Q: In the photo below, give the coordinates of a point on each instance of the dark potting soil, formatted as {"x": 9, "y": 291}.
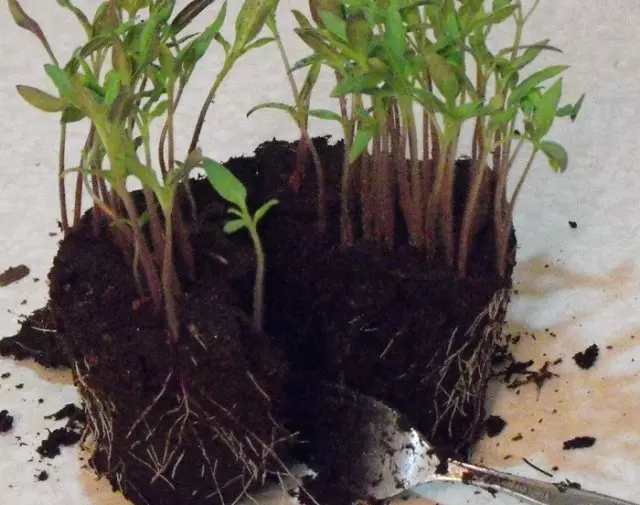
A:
{"x": 587, "y": 358}
{"x": 36, "y": 340}
{"x": 60, "y": 437}
{"x": 205, "y": 420}
{"x": 6, "y": 421}
{"x": 494, "y": 425}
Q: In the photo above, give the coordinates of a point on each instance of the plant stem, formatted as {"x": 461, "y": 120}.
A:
{"x": 62, "y": 194}
{"x": 168, "y": 276}
{"x": 505, "y": 232}
{"x": 228, "y": 64}
{"x": 258, "y": 284}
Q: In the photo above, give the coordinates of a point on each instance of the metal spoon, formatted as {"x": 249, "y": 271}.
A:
{"x": 376, "y": 454}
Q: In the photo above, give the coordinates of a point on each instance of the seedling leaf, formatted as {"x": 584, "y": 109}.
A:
{"x": 40, "y": 99}
{"x": 225, "y": 183}
{"x": 360, "y": 143}
{"x": 289, "y": 109}
{"x": 233, "y": 226}
{"x": 187, "y": 15}
{"x": 533, "y": 81}
{"x": 326, "y": 114}
{"x": 260, "y": 213}
{"x": 556, "y": 154}
{"x": 545, "y": 109}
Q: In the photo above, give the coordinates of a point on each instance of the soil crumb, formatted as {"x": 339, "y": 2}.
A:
{"x": 50, "y": 446}
{"x": 494, "y": 425}
{"x": 578, "y": 443}
{"x": 42, "y": 476}
{"x": 573, "y": 224}
{"x": 587, "y": 358}
{"x": 36, "y": 340}
{"x": 6, "y": 421}
{"x": 13, "y": 274}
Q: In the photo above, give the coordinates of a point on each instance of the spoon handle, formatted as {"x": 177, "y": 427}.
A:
{"x": 535, "y": 491}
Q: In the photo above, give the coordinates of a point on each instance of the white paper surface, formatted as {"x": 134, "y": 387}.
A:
{"x": 582, "y": 284}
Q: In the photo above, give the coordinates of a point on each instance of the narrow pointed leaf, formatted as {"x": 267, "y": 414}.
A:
{"x": 546, "y": 108}
{"x": 533, "y": 81}
{"x": 360, "y": 143}
{"x": 233, "y": 226}
{"x": 261, "y": 212}
{"x": 71, "y": 115}
{"x": 250, "y": 21}
{"x": 326, "y": 114}
{"x": 40, "y": 99}
{"x": 289, "y": 109}
{"x": 335, "y": 24}
{"x": 23, "y": 20}
{"x": 62, "y": 82}
{"x": 187, "y": 15}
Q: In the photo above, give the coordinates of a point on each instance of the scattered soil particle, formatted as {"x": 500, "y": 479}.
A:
{"x": 573, "y": 224}
{"x": 13, "y": 274}
{"x": 6, "y": 421}
{"x": 517, "y": 438}
{"x": 555, "y": 468}
{"x": 586, "y": 359}
{"x": 5, "y": 375}
{"x": 69, "y": 411}
{"x": 19, "y": 386}
{"x": 36, "y": 340}
{"x": 494, "y": 425}
{"x": 578, "y": 443}
{"x": 42, "y": 476}
{"x": 50, "y": 446}
{"x": 538, "y": 377}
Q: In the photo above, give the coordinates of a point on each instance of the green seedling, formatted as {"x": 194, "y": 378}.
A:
{"x": 231, "y": 189}
{"x": 395, "y": 57}
{"x": 130, "y": 74}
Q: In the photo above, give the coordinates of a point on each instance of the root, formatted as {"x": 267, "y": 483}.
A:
{"x": 100, "y": 413}
{"x": 473, "y": 372}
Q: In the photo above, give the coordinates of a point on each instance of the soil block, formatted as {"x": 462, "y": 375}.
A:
{"x": 212, "y": 417}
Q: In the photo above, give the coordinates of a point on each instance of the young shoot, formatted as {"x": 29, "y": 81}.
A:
{"x": 231, "y": 189}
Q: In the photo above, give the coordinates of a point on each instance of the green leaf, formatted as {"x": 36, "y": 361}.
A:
{"x": 233, "y": 226}
{"x": 41, "y": 100}
{"x": 531, "y": 82}
{"x": 106, "y": 19}
{"x": 467, "y": 110}
{"x": 187, "y": 15}
{"x": 305, "y": 62}
{"x": 62, "y": 81}
{"x": 302, "y": 20}
{"x": 335, "y": 24}
{"x": 358, "y": 32}
{"x": 367, "y": 83}
{"x": 289, "y": 109}
{"x": 576, "y": 108}
{"x": 263, "y": 41}
{"x": 314, "y": 40}
{"x": 497, "y": 16}
{"x": 250, "y": 21}
{"x": 159, "y": 109}
{"x": 80, "y": 16}
{"x": 260, "y": 213}
{"x": 23, "y": 20}
{"x": 360, "y": 143}
{"x": 120, "y": 61}
{"x": 203, "y": 41}
{"x": 227, "y": 185}
{"x": 317, "y": 6}
{"x": 395, "y": 37}
{"x": 556, "y": 154}
{"x": 443, "y": 75}
{"x": 499, "y": 4}
{"x": 71, "y": 115}
{"x": 310, "y": 81}
{"x": 112, "y": 83}
{"x": 219, "y": 38}
{"x": 546, "y": 108}
{"x": 164, "y": 9}
{"x": 326, "y": 114}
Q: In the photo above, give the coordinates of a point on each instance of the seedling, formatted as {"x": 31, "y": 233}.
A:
{"x": 229, "y": 187}
{"x": 391, "y": 57}
{"x": 129, "y": 74}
